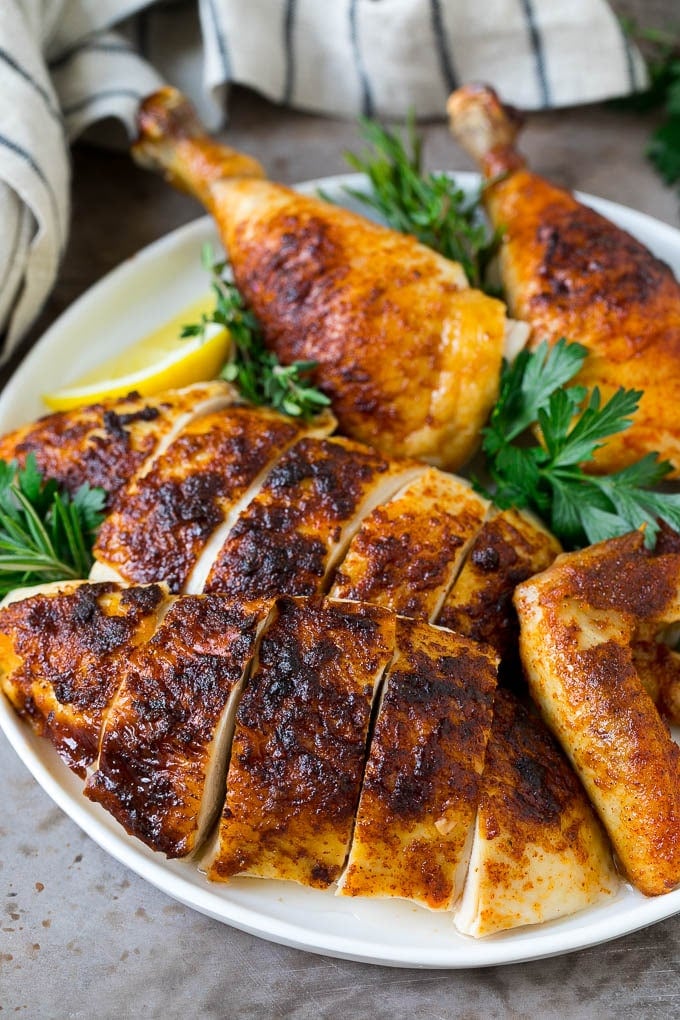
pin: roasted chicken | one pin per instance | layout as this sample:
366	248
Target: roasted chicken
538	850
408	353
163	520
580	620
106	444
421	785
570	272
298	677
165	742
60	658
253	503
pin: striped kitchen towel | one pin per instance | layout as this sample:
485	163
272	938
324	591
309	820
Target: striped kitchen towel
62	68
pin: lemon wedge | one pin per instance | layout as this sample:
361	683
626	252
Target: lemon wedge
160	361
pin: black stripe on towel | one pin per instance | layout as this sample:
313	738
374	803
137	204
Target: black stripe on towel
221	42
8	59
89	46
442	43
537	47
367	104
9	263
82	104
630	62
289	50
23	154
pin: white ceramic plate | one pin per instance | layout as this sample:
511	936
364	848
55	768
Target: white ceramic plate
133	299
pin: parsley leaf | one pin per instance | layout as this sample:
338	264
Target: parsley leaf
45	534
255	371
547	475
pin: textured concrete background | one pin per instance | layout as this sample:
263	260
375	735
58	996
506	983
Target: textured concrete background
83	937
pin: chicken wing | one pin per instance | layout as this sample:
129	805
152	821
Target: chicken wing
409	355
570	272
578	620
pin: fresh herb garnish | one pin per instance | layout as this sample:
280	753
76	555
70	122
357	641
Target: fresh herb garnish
45	534
546	475
255	371
430	206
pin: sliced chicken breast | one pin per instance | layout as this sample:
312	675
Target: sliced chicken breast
292	534
407	553
421	787
539	851
163	520
106	444
166	740
60	658
578	621
510	547
300	743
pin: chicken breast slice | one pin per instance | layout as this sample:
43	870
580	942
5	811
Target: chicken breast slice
407	553
578	620
163	520
539	851
61	653
165	743
509	547
296	529
106	444
419	798
300	743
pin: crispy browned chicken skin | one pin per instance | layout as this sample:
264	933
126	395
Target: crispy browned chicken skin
579	622
570	272
408	353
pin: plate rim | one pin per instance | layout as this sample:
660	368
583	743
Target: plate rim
537	942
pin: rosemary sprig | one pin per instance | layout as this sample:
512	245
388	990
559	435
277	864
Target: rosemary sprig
255	371
430	206
45	534
547	474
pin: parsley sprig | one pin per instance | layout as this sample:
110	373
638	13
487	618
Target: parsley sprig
546	474
45	534
430	206
255	371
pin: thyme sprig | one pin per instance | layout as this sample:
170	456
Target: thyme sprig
45	534
430	206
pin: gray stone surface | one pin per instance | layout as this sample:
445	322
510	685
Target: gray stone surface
83	937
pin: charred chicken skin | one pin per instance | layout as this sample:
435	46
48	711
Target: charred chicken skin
570	272
252	503
106	444
298	677
538	850
408	353
580	621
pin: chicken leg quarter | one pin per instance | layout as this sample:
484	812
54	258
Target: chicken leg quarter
408	353
570	272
